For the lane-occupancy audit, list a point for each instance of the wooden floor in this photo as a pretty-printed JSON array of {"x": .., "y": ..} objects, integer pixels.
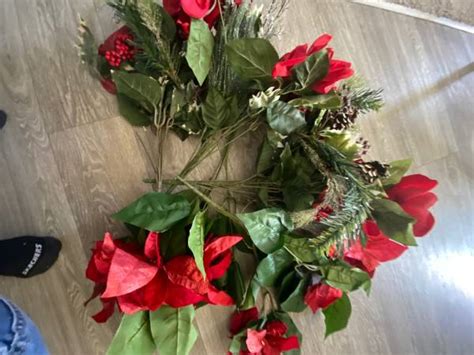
[{"x": 67, "y": 161}]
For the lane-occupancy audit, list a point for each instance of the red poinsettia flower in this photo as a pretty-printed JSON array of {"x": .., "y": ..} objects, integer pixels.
[
  {"x": 188, "y": 281},
  {"x": 321, "y": 296},
  {"x": 270, "y": 340},
  {"x": 138, "y": 280},
  {"x": 183, "y": 10},
  {"x": 379, "y": 248},
  {"x": 412, "y": 194},
  {"x": 240, "y": 319},
  {"x": 338, "y": 69}
]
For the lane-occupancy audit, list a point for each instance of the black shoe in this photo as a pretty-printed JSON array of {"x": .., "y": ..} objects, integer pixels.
[{"x": 28, "y": 256}]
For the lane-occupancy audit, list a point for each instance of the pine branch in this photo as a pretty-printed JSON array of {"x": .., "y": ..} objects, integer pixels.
[
  {"x": 363, "y": 98},
  {"x": 236, "y": 22},
  {"x": 347, "y": 194},
  {"x": 88, "y": 48}
]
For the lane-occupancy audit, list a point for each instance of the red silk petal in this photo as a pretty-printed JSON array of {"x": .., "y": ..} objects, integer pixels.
[
  {"x": 127, "y": 273},
  {"x": 156, "y": 291},
  {"x": 411, "y": 186},
  {"x": 173, "y": 7},
  {"x": 289, "y": 60},
  {"x": 321, "y": 296},
  {"x": 178, "y": 296},
  {"x": 255, "y": 340},
  {"x": 320, "y": 42},
  {"x": 183, "y": 271},
  {"x": 196, "y": 8},
  {"x": 217, "y": 270},
  {"x": 152, "y": 248},
  {"x": 425, "y": 221},
  {"x": 240, "y": 319},
  {"x": 384, "y": 249},
  {"x": 106, "y": 312},
  {"x": 219, "y": 246},
  {"x": 289, "y": 343},
  {"x": 219, "y": 297},
  {"x": 276, "y": 328},
  {"x": 423, "y": 201}
]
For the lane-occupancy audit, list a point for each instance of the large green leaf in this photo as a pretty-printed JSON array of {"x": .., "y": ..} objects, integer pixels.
[
  {"x": 200, "y": 49},
  {"x": 267, "y": 151},
  {"x": 133, "y": 336},
  {"x": 235, "y": 283},
  {"x": 292, "y": 296},
  {"x": 137, "y": 86},
  {"x": 266, "y": 226},
  {"x": 273, "y": 266},
  {"x": 252, "y": 58},
  {"x": 343, "y": 142},
  {"x": 300, "y": 248},
  {"x": 215, "y": 110},
  {"x": 196, "y": 240},
  {"x": 329, "y": 101},
  {"x": 393, "y": 221},
  {"x": 396, "y": 171},
  {"x": 173, "y": 330},
  {"x": 336, "y": 316},
  {"x": 155, "y": 211},
  {"x": 345, "y": 277},
  {"x": 284, "y": 118},
  {"x": 131, "y": 111},
  {"x": 313, "y": 69}
]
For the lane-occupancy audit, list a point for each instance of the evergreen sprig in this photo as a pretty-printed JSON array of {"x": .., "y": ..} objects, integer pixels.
[
  {"x": 363, "y": 98},
  {"x": 347, "y": 195}
]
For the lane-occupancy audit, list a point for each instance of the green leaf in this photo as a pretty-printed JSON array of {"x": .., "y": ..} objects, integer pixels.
[
  {"x": 200, "y": 49},
  {"x": 329, "y": 101},
  {"x": 130, "y": 110},
  {"x": 235, "y": 283},
  {"x": 336, "y": 316},
  {"x": 174, "y": 241},
  {"x": 215, "y": 110},
  {"x": 343, "y": 142},
  {"x": 313, "y": 69},
  {"x": 272, "y": 267},
  {"x": 155, "y": 211},
  {"x": 396, "y": 171},
  {"x": 137, "y": 86},
  {"x": 252, "y": 58},
  {"x": 300, "y": 248},
  {"x": 284, "y": 118},
  {"x": 393, "y": 221},
  {"x": 295, "y": 301},
  {"x": 266, "y": 226},
  {"x": 344, "y": 277},
  {"x": 133, "y": 336},
  {"x": 196, "y": 240},
  {"x": 173, "y": 330}
]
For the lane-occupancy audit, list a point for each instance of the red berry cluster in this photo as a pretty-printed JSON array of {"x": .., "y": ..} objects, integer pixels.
[{"x": 122, "y": 50}]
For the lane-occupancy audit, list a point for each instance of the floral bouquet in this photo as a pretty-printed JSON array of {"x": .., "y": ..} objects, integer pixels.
[{"x": 315, "y": 217}]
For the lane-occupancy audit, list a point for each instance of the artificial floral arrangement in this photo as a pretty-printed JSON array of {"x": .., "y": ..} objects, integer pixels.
[{"x": 315, "y": 217}]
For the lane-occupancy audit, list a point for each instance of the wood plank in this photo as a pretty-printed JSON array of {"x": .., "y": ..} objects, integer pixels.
[
  {"x": 49, "y": 33},
  {"x": 416, "y": 307},
  {"x": 36, "y": 196},
  {"x": 102, "y": 167}
]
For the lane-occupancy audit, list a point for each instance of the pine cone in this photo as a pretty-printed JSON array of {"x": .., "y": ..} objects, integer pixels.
[
  {"x": 343, "y": 118},
  {"x": 373, "y": 170}
]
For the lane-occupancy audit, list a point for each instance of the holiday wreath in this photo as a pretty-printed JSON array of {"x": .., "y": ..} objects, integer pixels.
[{"x": 316, "y": 218}]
